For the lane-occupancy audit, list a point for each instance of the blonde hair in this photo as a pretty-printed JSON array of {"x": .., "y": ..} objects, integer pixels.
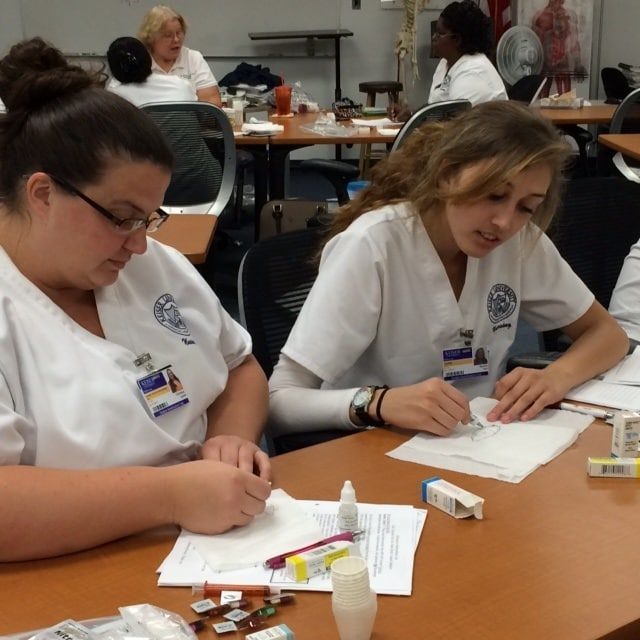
[
  {"x": 504, "y": 136},
  {"x": 154, "y": 21}
]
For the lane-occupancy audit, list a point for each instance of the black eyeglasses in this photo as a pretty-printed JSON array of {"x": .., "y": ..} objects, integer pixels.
[{"x": 122, "y": 225}]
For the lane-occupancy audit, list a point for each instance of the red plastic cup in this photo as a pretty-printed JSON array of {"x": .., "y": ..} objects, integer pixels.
[{"x": 283, "y": 100}]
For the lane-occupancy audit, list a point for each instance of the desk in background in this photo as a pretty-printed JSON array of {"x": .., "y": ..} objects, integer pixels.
[
  {"x": 553, "y": 558},
  {"x": 599, "y": 113},
  {"x": 190, "y": 233},
  {"x": 627, "y": 143}
]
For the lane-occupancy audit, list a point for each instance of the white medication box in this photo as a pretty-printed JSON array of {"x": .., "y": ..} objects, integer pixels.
[
  {"x": 279, "y": 632},
  {"x": 451, "y": 499},
  {"x": 626, "y": 434},
  {"x": 614, "y": 467},
  {"x": 311, "y": 563}
]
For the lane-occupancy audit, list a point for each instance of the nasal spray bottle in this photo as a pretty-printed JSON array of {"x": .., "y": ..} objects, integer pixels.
[{"x": 348, "y": 509}]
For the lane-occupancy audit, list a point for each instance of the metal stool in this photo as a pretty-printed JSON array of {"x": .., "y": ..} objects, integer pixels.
[{"x": 392, "y": 89}]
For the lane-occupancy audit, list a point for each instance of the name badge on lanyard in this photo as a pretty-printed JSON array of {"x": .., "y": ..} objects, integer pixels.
[
  {"x": 464, "y": 362},
  {"x": 162, "y": 391}
]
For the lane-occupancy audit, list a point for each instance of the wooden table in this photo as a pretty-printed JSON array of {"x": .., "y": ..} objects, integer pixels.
[
  {"x": 626, "y": 143},
  {"x": 599, "y": 113},
  {"x": 555, "y": 556},
  {"x": 295, "y": 136},
  {"x": 189, "y": 233}
]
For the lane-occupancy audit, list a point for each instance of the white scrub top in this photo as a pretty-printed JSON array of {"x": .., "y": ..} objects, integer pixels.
[
  {"x": 382, "y": 309},
  {"x": 69, "y": 399},
  {"x": 191, "y": 66},
  {"x": 156, "y": 88},
  {"x": 625, "y": 301},
  {"x": 472, "y": 77}
]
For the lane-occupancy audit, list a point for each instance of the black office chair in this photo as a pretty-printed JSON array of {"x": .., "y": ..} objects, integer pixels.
[
  {"x": 275, "y": 277},
  {"x": 598, "y": 222},
  {"x": 615, "y": 84},
  {"x": 435, "y": 111},
  {"x": 201, "y": 138},
  {"x": 525, "y": 89},
  {"x": 338, "y": 173},
  {"x": 626, "y": 119}
]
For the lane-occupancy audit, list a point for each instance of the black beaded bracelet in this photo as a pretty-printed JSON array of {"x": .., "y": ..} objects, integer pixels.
[{"x": 381, "y": 420}]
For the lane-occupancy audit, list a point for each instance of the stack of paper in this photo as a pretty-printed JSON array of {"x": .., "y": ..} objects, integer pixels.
[
  {"x": 619, "y": 387},
  {"x": 391, "y": 537},
  {"x": 508, "y": 452}
]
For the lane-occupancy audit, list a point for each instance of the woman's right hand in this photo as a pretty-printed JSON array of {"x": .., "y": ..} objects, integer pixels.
[
  {"x": 431, "y": 405},
  {"x": 207, "y": 496}
]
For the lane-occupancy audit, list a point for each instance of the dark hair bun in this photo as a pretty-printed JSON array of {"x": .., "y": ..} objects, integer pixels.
[
  {"x": 34, "y": 73},
  {"x": 129, "y": 60}
]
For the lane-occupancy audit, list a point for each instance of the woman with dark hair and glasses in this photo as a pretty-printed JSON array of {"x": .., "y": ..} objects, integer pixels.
[
  {"x": 94, "y": 442},
  {"x": 463, "y": 39}
]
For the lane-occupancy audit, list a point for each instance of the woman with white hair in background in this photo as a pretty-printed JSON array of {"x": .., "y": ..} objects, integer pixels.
[{"x": 163, "y": 31}]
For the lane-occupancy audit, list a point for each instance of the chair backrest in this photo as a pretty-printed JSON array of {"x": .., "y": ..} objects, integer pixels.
[
  {"x": 527, "y": 88},
  {"x": 615, "y": 84},
  {"x": 434, "y": 111},
  {"x": 204, "y": 149},
  {"x": 626, "y": 118},
  {"x": 274, "y": 280},
  {"x": 598, "y": 222}
]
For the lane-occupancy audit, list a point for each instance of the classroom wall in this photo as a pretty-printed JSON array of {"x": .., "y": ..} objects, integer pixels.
[{"x": 368, "y": 55}]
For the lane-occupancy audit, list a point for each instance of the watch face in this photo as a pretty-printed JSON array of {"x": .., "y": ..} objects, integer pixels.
[{"x": 362, "y": 398}]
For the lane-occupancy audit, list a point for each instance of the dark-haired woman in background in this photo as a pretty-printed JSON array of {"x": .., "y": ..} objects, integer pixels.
[
  {"x": 94, "y": 445},
  {"x": 130, "y": 65},
  {"x": 463, "y": 40}
]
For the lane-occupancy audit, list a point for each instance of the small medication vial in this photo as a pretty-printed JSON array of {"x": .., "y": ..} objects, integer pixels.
[{"x": 348, "y": 509}]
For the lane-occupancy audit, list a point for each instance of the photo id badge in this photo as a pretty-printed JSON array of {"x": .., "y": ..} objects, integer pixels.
[
  {"x": 162, "y": 391},
  {"x": 465, "y": 362}
]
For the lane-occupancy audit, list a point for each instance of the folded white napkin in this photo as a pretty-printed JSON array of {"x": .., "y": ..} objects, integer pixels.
[
  {"x": 262, "y": 127},
  {"x": 375, "y": 122}
]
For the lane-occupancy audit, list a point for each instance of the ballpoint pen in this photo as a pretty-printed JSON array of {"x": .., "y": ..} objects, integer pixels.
[
  {"x": 587, "y": 411},
  {"x": 278, "y": 562}
]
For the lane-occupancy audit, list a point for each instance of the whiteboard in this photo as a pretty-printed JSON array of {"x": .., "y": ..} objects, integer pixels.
[{"x": 217, "y": 28}]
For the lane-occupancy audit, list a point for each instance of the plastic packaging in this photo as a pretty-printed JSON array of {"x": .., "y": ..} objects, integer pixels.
[{"x": 348, "y": 509}]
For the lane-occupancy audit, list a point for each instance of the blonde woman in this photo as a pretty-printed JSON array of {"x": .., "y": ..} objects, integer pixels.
[
  {"x": 435, "y": 261},
  {"x": 163, "y": 32}
]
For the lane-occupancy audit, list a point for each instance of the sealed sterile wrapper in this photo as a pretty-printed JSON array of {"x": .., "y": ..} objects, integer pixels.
[
  {"x": 451, "y": 499},
  {"x": 67, "y": 630}
]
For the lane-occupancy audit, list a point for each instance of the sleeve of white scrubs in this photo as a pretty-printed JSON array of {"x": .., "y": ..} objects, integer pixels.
[
  {"x": 625, "y": 301},
  {"x": 202, "y": 75},
  {"x": 11, "y": 442}
]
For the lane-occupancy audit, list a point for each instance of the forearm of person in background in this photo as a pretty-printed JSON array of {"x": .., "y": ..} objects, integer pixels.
[
  {"x": 598, "y": 344},
  {"x": 210, "y": 94}
]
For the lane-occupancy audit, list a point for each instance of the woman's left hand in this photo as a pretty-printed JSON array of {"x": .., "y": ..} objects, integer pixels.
[
  {"x": 524, "y": 393},
  {"x": 238, "y": 452}
]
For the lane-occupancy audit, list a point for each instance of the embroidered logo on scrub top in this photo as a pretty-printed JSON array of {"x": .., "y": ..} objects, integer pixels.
[
  {"x": 501, "y": 302},
  {"x": 168, "y": 315}
]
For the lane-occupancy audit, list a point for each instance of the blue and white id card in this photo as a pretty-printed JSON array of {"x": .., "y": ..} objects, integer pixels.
[
  {"x": 162, "y": 391},
  {"x": 464, "y": 362}
]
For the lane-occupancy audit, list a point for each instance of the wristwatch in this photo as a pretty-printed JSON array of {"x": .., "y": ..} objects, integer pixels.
[{"x": 360, "y": 405}]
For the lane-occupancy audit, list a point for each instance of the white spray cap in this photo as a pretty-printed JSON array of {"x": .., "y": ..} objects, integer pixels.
[{"x": 348, "y": 493}]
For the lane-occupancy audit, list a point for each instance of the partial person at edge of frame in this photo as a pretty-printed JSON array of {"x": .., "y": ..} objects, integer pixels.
[
  {"x": 163, "y": 31},
  {"x": 94, "y": 444},
  {"x": 130, "y": 65},
  {"x": 438, "y": 258},
  {"x": 625, "y": 299}
]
